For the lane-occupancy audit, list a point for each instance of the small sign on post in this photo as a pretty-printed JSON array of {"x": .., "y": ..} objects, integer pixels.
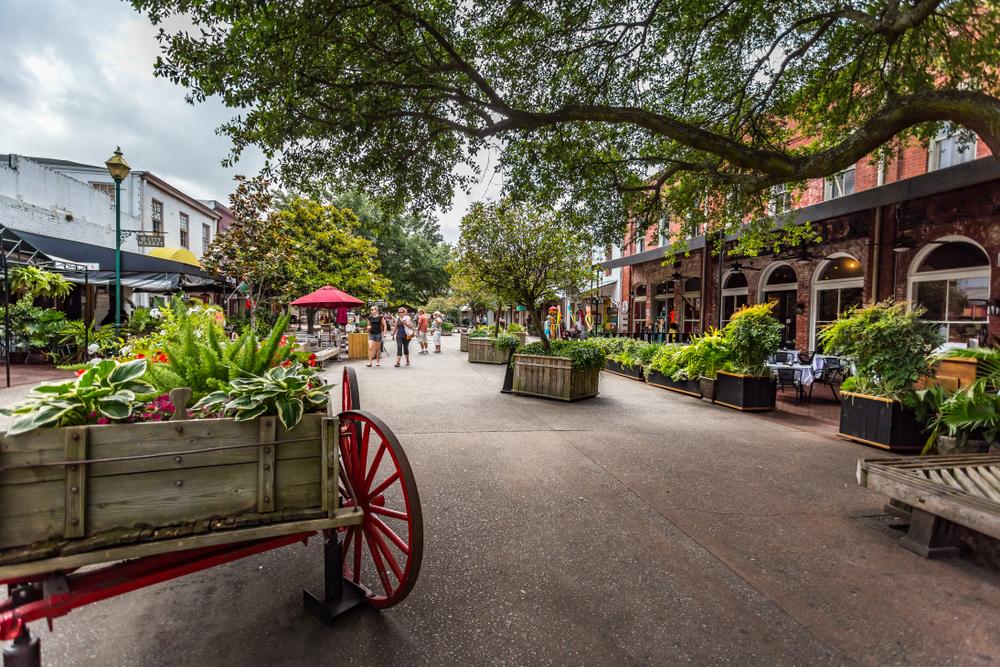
[{"x": 150, "y": 240}]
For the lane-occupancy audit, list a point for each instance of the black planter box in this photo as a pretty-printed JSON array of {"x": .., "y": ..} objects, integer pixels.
[
  {"x": 689, "y": 387},
  {"x": 745, "y": 392},
  {"x": 880, "y": 422},
  {"x": 630, "y": 372}
]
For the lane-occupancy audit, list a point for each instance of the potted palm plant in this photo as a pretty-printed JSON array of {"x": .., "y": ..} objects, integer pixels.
[
  {"x": 890, "y": 348},
  {"x": 752, "y": 335},
  {"x": 707, "y": 356},
  {"x": 966, "y": 420}
]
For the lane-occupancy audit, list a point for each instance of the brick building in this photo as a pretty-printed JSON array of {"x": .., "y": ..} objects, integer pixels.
[{"x": 925, "y": 227}]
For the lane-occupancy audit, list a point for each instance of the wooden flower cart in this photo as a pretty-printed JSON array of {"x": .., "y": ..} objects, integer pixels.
[{"x": 154, "y": 501}]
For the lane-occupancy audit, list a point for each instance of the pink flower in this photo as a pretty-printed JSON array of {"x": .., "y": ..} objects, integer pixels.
[{"x": 103, "y": 420}]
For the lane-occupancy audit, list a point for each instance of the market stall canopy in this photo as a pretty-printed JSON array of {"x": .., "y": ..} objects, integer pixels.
[
  {"x": 182, "y": 255},
  {"x": 327, "y": 297}
]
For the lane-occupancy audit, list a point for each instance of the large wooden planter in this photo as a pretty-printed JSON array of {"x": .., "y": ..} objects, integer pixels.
[
  {"x": 482, "y": 351},
  {"x": 553, "y": 377},
  {"x": 750, "y": 393},
  {"x": 634, "y": 372},
  {"x": 357, "y": 345},
  {"x": 689, "y": 387},
  {"x": 163, "y": 480},
  {"x": 880, "y": 422},
  {"x": 522, "y": 335},
  {"x": 463, "y": 342}
]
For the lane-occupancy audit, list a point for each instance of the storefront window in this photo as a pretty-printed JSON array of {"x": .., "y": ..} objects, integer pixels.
[
  {"x": 734, "y": 295},
  {"x": 692, "y": 306},
  {"x": 952, "y": 283},
  {"x": 839, "y": 286}
]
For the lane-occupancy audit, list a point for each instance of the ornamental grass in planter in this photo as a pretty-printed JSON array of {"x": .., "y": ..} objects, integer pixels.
[
  {"x": 890, "y": 346},
  {"x": 629, "y": 358},
  {"x": 706, "y": 356},
  {"x": 751, "y": 336},
  {"x": 566, "y": 371}
]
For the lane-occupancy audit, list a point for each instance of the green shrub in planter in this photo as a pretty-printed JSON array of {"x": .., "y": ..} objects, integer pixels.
[
  {"x": 890, "y": 347},
  {"x": 668, "y": 369},
  {"x": 752, "y": 335},
  {"x": 447, "y": 327},
  {"x": 584, "y": 353},
  {"x": 480, "y": 332},
  {"x": 514, "y": 327}
]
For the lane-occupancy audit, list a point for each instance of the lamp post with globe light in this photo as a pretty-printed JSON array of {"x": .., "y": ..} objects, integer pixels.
[{"x": 119, "y": 169}]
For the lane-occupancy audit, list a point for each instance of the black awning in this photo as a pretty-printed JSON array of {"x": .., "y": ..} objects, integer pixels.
[{"x": 104, "y": 258}]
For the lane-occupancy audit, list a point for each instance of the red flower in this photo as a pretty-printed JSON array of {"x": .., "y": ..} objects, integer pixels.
[
  {"x": 80, "y": 371},
  {"x": 312, "y": 359},
  {"x": 283, "y": 342},
  {"x": 161, "y": 357},
  {"x": 140, "y": 356},
  {"x": 286, "y": 363}
]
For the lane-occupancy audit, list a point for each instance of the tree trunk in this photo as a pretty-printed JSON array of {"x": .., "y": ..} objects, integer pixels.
[
  {"x": 310, "y": 319},
  {"x": 540, "y": 325},
  {"x": 496, "y": 319}
]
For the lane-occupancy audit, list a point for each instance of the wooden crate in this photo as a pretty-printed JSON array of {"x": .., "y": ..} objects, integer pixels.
[
  {"x": 553, "y": 377},
  {"x": 357, "y": 345},
  {"x": 157, "y": 480},
  {"x": 482, "y": 351}
]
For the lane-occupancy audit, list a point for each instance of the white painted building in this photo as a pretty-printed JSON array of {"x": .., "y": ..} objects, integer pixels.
[{"x": 157, "y": 206}]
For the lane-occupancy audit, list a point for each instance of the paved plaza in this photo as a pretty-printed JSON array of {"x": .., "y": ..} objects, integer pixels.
[{"x": 639, "y": 527}]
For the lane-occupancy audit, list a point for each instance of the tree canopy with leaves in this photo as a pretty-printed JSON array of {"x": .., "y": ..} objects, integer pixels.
[
  {"x": 604, "y": 106},
  {"x": 523, "y": 255},
  {"x": 281, "y": 253}
]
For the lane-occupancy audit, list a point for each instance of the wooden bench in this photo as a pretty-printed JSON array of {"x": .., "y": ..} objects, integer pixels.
[
  {"x": 326, "y": 353},
  {"x": 961, "y": 489}
]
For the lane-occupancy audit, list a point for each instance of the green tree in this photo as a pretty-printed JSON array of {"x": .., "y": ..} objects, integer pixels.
[
  {"x": 522, "y": 255},
  {"x": 323, "y": 249},
  {"x": 252, "y": 247},
  {"x": 411, "y": 251},
  {"x": 607, "y": 106}
]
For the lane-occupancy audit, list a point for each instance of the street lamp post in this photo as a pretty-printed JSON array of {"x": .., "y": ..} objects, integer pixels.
[{"x": 119, "y": 169}]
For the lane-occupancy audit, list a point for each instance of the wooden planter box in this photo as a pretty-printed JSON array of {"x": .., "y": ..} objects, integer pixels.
[
  {"x": 750, "y": 393},
  {"x": 481, "y": 351},
  {"x": 196, "y": 478},
  {"x": 447, "y": 332},
  {"x": 463, "y": 342},
  {"x": 689, "y": 387},
  {"x": 553, "y": 377},
  {"x": 880, "y": 422},
  {"x": 523, "y": 335},
  {"x": 625, "y": 371}
]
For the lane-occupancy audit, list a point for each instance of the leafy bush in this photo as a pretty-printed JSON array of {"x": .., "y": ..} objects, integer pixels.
[
  {"x": 480, "y": 332},
  {"x": 506, "y": 341},
  {"x": 586, "y": 356},
  {"x": 35, "y": 282},
  {"x": 106, "y": 391},
  {"x": 447, "y": 326},
  {"x": 667, "y": 360},
  {"x": 514, "y": 327},
  {"x": 285, "y": 391},
  {"x": 705, "y": 356},
  {"x": 80, "y": 336},
  {"x": 752, "y": 335},
  {"x": 970, "y": 412},
  {"x": 889, "y": 345}
]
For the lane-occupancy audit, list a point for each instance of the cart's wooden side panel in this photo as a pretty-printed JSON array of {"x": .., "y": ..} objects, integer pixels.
[{"x": 159, "y": 474}]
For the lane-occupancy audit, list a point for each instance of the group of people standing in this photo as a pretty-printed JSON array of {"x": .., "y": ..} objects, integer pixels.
[{"x": 403, "y": 329}]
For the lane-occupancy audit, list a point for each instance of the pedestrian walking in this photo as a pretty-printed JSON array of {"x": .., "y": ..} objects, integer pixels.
[
  {"x": 437, "y": 323},
  {"x": 402, "y": 331},
  {"x": 377, "y": 327},
  {"x": 422, "y": 321}
]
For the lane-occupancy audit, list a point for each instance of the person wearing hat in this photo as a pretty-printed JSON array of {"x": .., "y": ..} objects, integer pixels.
[{"x": 437, "y": 324}]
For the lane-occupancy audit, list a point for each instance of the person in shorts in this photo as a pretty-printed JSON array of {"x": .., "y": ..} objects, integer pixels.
[
  {"x": 377, "y": 327},
  {"x": 437, "y": 324},
  {"x": 422, "y": 330}
]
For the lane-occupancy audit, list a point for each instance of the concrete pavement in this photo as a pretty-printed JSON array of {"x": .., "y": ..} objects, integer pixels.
[{"x": 639, "y": 527}]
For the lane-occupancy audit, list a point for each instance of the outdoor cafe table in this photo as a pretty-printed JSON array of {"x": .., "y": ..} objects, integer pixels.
[{"x": 806, "y": 373}]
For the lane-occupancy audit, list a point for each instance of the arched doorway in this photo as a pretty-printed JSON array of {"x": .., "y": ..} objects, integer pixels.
[
  {"x": 839, "y": 285},
  {"x": 780, "y": 284},
  {"x": 735, "y": 294},
  {"x": 663, "y": 306},
  {"x": 951, "y": 280}
]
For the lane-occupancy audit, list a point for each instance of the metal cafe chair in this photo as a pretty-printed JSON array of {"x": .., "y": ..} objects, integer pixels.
[
  {"x": 833, "y": 373},
  {"x": 790, "y": 377}
]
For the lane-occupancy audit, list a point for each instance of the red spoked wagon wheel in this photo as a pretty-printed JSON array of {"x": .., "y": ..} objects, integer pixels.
[
  {"x": 350, "y": 397},
  {"x": 381, "y": 555}
]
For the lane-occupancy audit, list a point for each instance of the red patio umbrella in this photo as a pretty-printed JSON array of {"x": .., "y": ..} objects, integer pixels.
[{"x": 327, "y": 297}]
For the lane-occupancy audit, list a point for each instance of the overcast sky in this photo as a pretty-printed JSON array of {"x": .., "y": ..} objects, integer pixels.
[{"x": 76, "y": 79}]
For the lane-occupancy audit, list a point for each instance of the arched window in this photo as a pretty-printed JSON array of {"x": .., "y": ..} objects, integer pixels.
[
  {"x": 735, "y": 293},
  {"x": 838, "y": 287},
  {"x": 639, "y": 308},
  {"x": 951, "y": 280},
  {"x": 781, "y": 286},
  {"x": 692, "y": 306}
]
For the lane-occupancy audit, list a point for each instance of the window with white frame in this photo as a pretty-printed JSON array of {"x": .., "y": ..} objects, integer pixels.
[
  {"x": 781, "y": 199},
  {"x": 952, "y": 283},
  {"x": 206, "y": 238},
  {"x": 950, "y": 148},
  {"x": 735, "y": 294},
  {"x": 640, "y": 242},
  {"x": 664, "y": 229},
  {"x": 184, "y": 230},
  {"x": 839, "y": 185},
  {"x": 692, "y": 306},
  {"x": 838, "y": 287},
  {"x": 157, "y": 217}
]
